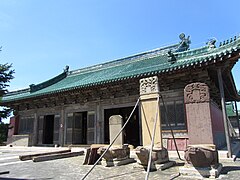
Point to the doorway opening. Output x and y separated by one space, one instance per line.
48 129
131 133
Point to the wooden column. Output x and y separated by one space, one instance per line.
149 93
62 125
237 118
226 128
99 124
35 130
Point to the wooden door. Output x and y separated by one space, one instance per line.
69 129
56 129
91 127
40 129
78 131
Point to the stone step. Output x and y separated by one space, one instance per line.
30 156
4 172
56 156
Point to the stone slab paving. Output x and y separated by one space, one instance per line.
72 168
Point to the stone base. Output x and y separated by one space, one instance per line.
116 155
201 155
110 163
115 152
155 167
200 173
159 156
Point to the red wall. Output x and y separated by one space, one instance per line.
217 118
217 125
182 144
13 126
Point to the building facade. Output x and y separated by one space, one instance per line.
75 106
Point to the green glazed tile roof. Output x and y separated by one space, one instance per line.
144 64
230 110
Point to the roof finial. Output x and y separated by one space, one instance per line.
66 69
184 44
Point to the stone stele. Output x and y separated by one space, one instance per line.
115 125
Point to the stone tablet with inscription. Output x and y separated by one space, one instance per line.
115 125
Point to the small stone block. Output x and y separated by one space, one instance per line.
155 167
117 162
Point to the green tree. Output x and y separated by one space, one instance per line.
6 74
3 132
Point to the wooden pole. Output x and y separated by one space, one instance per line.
237 118
62 128
35 130
226 128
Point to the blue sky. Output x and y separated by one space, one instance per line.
41 37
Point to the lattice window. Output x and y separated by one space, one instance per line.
26 125
175 115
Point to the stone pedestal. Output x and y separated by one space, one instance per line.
159 157
91 155
201 155
117 162
116 156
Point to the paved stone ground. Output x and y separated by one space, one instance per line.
72 168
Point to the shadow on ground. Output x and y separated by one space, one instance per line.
120 175
227 169
179 164
2 178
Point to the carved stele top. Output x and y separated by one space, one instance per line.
196 93
115 119
149 85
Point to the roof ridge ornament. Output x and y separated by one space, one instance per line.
66 69
184 44
171 57
211 43
228 41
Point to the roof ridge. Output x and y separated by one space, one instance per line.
47 83
138 56
191 52
229 41
223 45
15 92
